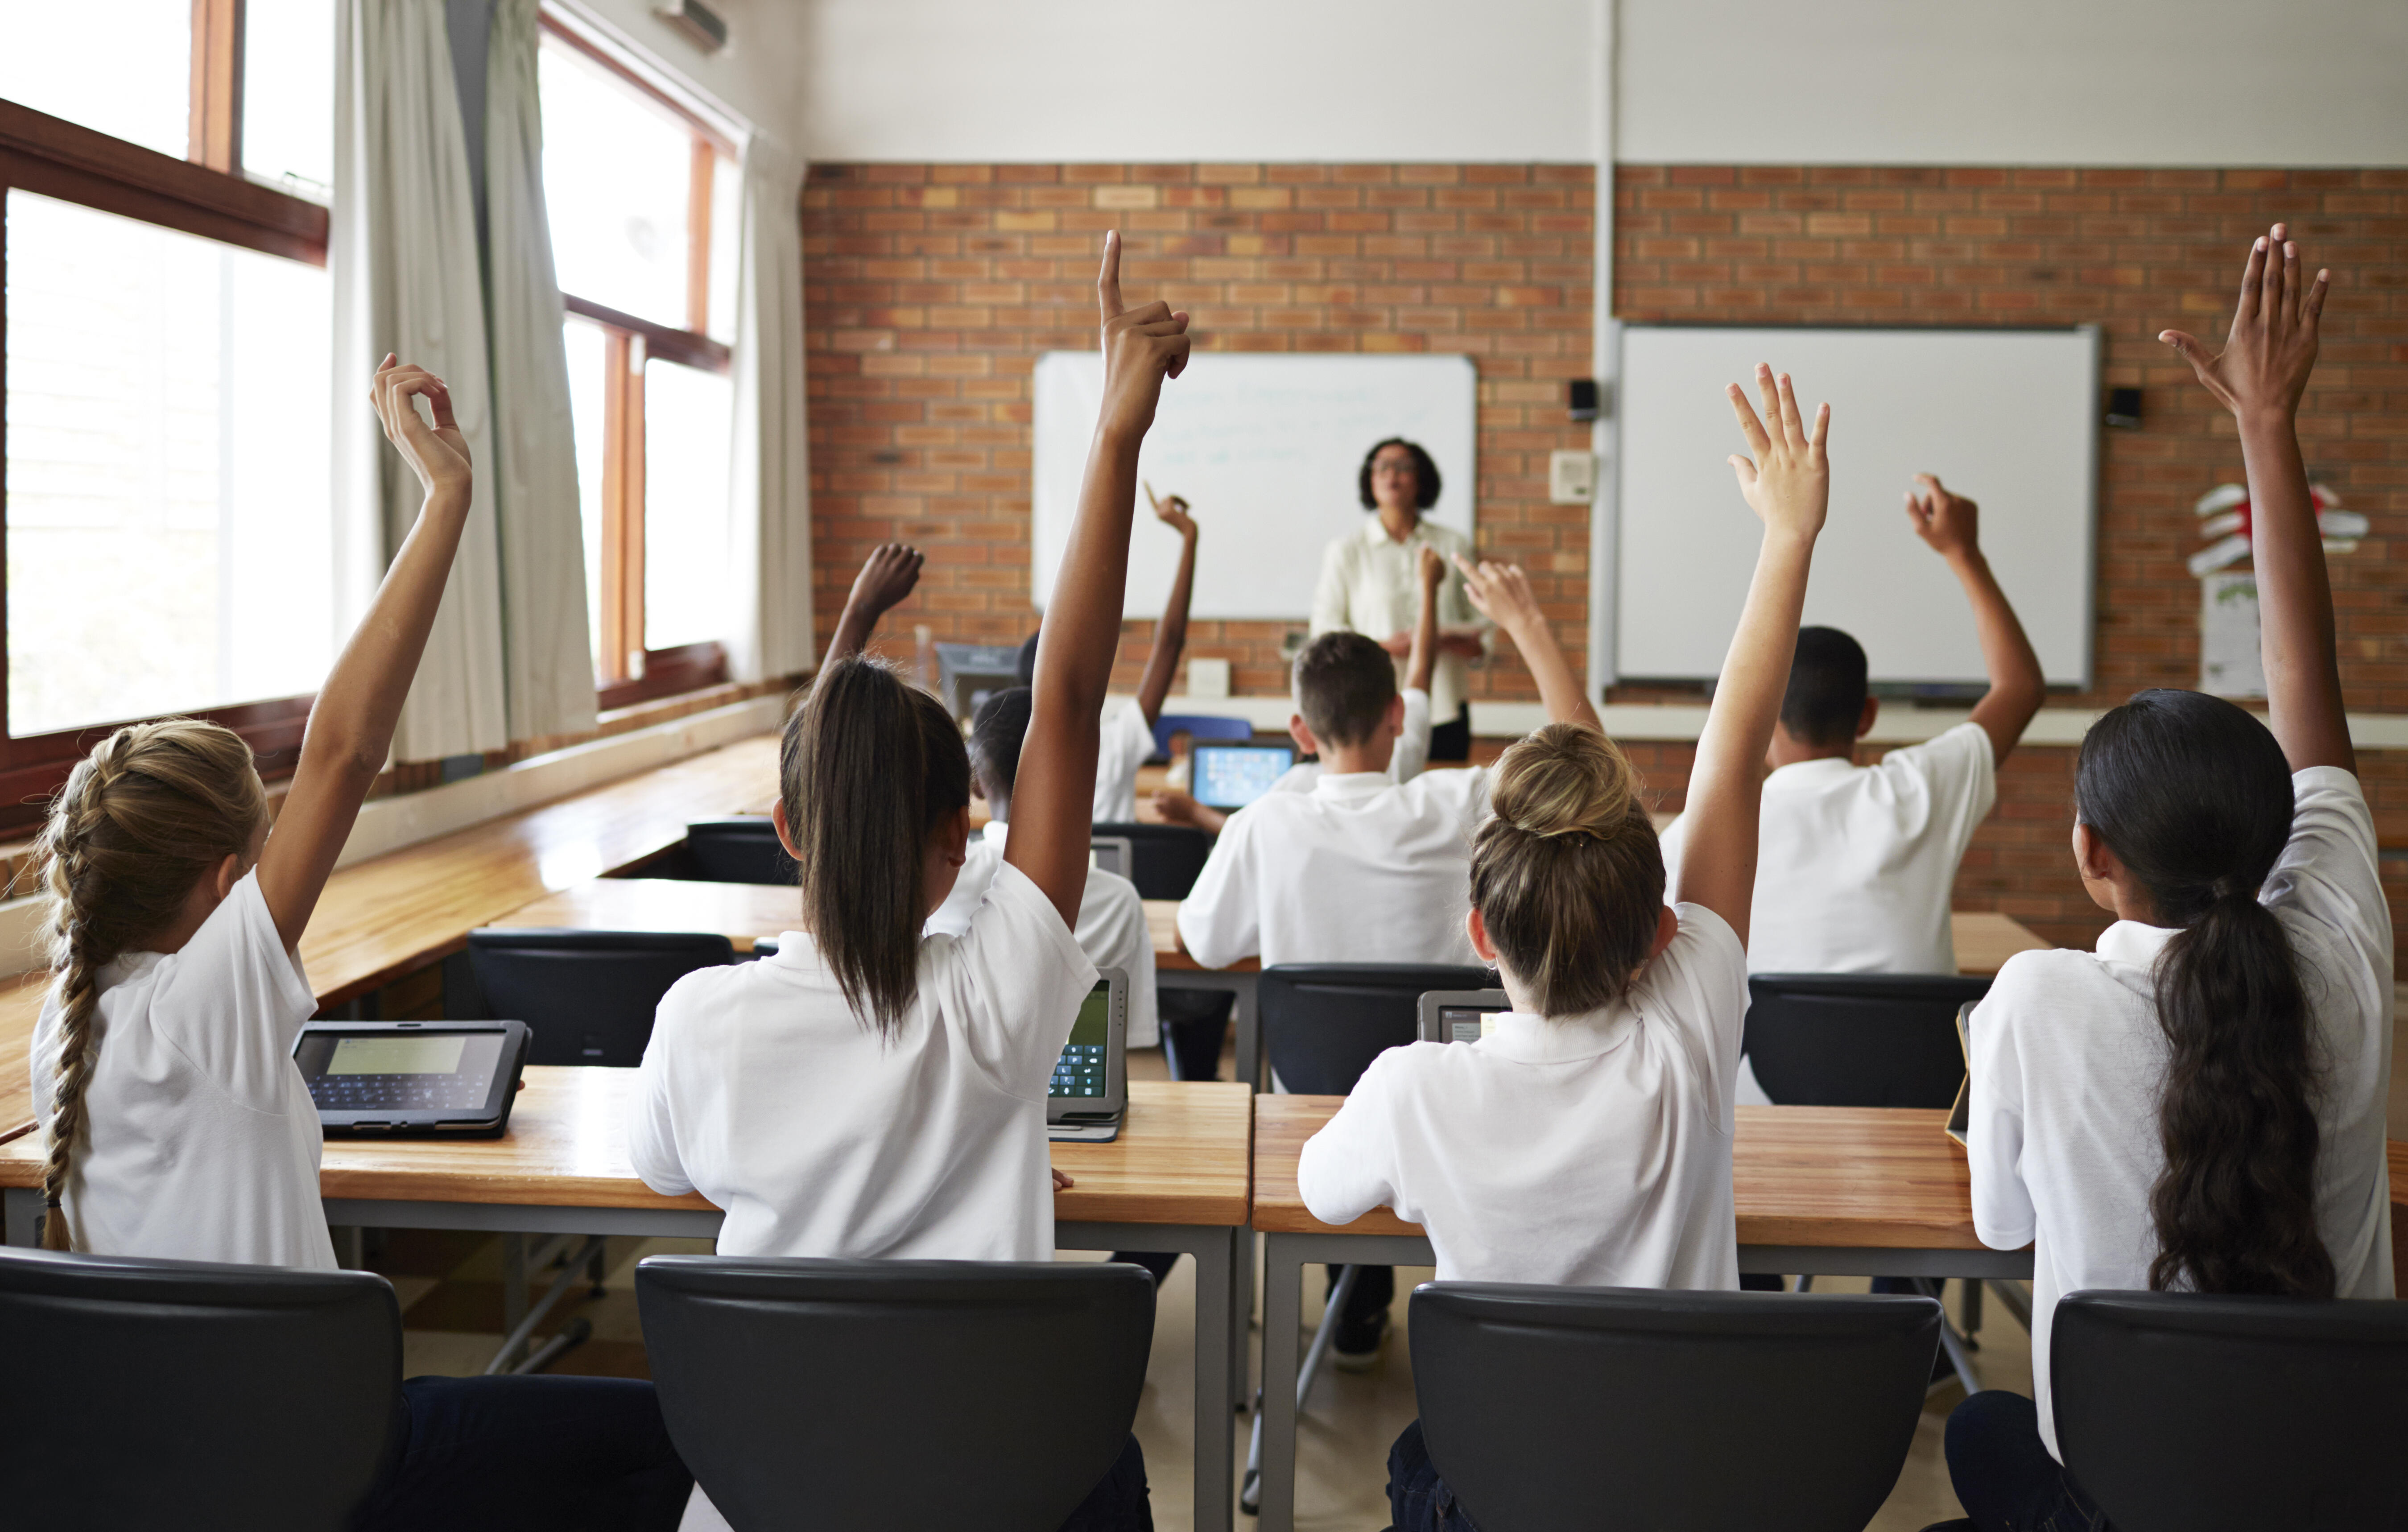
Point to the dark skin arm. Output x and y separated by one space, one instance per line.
1170 633
1950 524
2260 375
887 575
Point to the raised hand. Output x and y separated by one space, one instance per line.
2272 347
887 575
1170 509
1788 483
1948 523
1500 592
438 455
1430 567
1141 347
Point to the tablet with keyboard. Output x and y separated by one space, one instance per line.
449 1077
1090 1089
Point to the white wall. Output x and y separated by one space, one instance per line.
1135 81
2208 82
759 75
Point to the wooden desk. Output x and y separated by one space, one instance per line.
1824 1190
1179 1177
1985 939
1174 969
381 918
743 912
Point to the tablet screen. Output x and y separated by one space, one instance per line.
1461 1023
435 1071
1079 1073
1234 776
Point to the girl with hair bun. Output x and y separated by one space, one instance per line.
2199 1104
1586 1139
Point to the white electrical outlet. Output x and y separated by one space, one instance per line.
1572 477
1208 678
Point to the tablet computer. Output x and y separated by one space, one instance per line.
1090 1089
1233 776
1960 1116
1459 1015
452 1078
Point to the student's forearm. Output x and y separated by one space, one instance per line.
1423 656
1170 636
1559 689
1756 673
2017 686
2294 599
853 631
351 723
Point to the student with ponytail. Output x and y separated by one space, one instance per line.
1586 1139
177 1125
871 1092
2199 1104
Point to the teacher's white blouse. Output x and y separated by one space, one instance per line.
1368 585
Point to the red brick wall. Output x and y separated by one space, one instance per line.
930 290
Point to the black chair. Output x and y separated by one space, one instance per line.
1325 1022
2190 1412
1168 857
587 997
1858 1039
189 1395
741 850
896 1394
1614 1408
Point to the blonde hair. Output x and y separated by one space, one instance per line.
1567 874
142 819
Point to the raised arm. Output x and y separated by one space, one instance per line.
1501 593
1950 524
887 575
1423 656
1170 633
1787 484
2260 375
1056 789
351 723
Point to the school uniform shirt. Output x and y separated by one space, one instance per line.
1126 744
1592 1150
1410 759
1112 924
2069 1071
763 1090
200 1141
1854 865
1361 869
1370 583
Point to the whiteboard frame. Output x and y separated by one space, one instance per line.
1606 531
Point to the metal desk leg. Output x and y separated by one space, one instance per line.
1283 1317
1215 1403
1242 1313
1248 1019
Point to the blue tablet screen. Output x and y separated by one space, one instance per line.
1234 776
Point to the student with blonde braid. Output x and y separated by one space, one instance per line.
177 1125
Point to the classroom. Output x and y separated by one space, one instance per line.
1707 706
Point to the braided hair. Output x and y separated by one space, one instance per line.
143 818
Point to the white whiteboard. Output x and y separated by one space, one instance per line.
2007 417
1266 450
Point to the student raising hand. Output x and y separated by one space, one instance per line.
1501 593
887 576
1055 790
1787 482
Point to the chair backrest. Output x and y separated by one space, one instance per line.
1112 853
1614 1408
1168 857
741 850
896 1393
587 997
1198 726
182 1393
1325 1022
2191 1412
1858 1039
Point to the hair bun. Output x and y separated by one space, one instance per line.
1564 780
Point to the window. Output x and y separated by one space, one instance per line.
166 330
642 197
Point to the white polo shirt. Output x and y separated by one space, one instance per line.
200 1141
2068 1071
1112 924
1125 743
1854 865
1360 869
763 1090
1589 1149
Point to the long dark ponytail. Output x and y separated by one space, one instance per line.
868 768
2194 797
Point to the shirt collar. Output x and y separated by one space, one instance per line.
2134 944
1375 533
1350 784
1803 773
1520 1036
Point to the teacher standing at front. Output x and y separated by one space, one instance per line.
1366 585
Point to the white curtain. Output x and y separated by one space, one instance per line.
547 647
769 545
402 246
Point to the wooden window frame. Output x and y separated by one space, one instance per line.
626 672
58 159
